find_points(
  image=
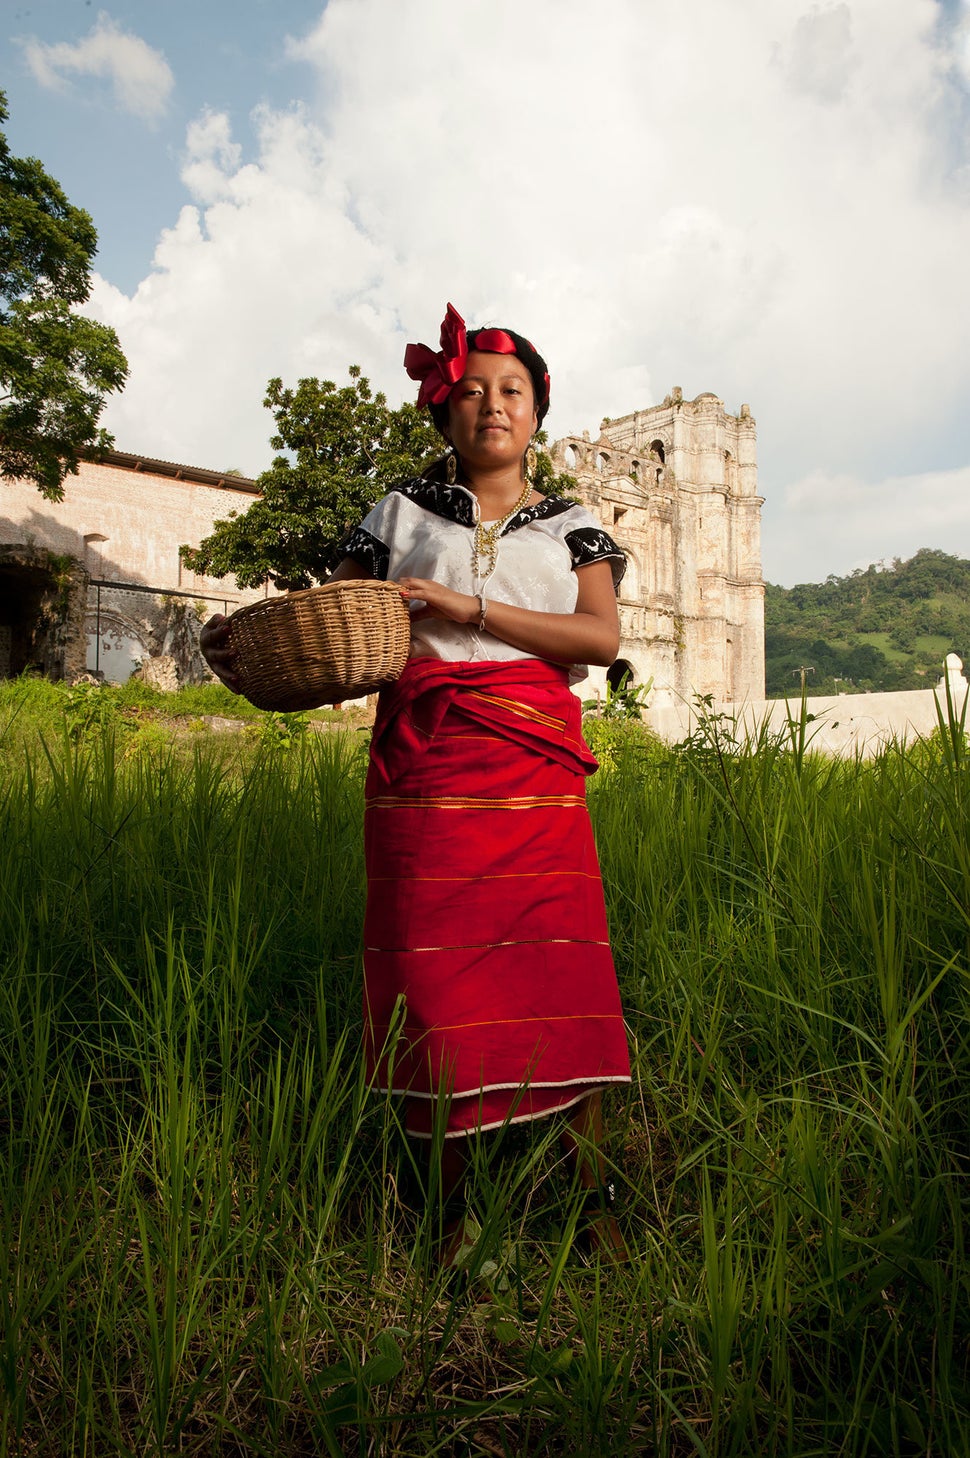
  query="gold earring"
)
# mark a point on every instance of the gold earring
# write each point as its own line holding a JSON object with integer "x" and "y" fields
{"x": 531, "y": 464}
{"x": 451, "y": 466}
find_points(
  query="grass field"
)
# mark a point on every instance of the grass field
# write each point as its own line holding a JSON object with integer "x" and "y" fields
{"x": 212, "y": 1232}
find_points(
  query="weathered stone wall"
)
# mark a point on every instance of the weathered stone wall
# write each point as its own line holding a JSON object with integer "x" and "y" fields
{"x": 125, "y": 523}
{"x": 125, "y": 628}
{"x": 122, "y": 522}
{"x": 676, "y": 485}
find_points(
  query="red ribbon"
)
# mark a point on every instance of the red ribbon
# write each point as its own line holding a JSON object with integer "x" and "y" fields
{"x": 496, "y": 341}
{"x": 439, "y": 372}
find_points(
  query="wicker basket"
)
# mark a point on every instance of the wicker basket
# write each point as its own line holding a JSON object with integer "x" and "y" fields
{"x": 339, "y": 641}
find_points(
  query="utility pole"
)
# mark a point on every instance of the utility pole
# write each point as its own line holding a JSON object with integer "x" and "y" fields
{"x": 803, "y": 670}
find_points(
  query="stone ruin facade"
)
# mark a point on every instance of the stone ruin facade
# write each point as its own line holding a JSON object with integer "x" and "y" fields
{"x": 677, "y": 486}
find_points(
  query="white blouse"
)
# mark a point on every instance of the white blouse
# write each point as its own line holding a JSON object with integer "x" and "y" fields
{"x": 426, "y": 529}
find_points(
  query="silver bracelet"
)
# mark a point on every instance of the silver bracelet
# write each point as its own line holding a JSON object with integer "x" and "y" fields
{"x": 482, "y": 610}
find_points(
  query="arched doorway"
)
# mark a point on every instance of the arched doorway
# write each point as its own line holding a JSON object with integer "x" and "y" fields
{"x": 620, "y": 675}
{"x": 42, "y": 600}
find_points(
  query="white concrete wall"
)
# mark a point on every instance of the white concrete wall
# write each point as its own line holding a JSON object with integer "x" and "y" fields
{"x": 846, "y": 724}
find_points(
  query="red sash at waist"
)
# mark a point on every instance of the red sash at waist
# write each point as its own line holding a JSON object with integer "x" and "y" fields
{"x": 526, "y": 700}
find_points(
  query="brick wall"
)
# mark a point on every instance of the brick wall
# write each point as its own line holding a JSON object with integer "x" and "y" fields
{"x": 123, "y": 521}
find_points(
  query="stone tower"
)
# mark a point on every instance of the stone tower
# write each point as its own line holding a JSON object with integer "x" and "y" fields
{"x": 677, "y": 486}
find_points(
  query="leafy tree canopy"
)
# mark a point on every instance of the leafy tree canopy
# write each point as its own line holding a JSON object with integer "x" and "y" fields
{"x": 881, "y": 627}
{"x": 345, "y": 448}
{"x": 56, "y": 367}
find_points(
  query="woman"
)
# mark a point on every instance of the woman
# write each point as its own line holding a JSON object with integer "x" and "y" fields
{"x": 485, "y": 936}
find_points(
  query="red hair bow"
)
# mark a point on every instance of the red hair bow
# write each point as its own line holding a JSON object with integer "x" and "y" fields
{"x": 439, "y": 372}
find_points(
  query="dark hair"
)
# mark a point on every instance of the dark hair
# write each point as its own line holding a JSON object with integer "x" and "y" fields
{"x": 528, "y": 356}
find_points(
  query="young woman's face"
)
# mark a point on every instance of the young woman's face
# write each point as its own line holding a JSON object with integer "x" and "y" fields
{"x": 491, "y": 410}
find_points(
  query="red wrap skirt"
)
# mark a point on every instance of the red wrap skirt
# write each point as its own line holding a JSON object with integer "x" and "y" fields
{"x": 488, "y": 978}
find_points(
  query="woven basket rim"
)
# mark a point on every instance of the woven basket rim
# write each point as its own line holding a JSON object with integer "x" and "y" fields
{"x": 378, "y": 584}
{"x": 315, "y": 645}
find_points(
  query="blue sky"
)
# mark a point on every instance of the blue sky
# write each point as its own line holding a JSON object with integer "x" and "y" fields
{"x": 770, "y": 200}
{"x": 125, "y": 170}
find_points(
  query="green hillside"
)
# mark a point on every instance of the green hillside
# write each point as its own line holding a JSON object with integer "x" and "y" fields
{"x": 881, "y": 628}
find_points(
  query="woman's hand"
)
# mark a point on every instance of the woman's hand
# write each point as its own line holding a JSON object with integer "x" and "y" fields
{"x": 214, "y": 641}
{"x": 590, "y": 634}
{"x": 439, "y": 601}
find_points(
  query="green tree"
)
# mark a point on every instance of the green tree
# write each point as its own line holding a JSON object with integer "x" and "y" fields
{"x": 911, "y": 604}
{"x": 345, "y": 448}
{"x": 56, "y": 367}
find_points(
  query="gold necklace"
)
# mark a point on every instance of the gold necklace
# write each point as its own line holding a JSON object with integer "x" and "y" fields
{"x": 485, "y": 540}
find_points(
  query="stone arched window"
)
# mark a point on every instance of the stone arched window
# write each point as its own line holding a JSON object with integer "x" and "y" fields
{"x": 657, "y": 446}
{"x": 571, "y": 457}
{"x": 602, "y": 461}
{"x": 621, "y": 675}
{"x": 115, "y": 647}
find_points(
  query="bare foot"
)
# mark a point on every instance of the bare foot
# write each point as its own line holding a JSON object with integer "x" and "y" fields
{"x": 458, "y": 1240}
{"x": 603, "y": 1237}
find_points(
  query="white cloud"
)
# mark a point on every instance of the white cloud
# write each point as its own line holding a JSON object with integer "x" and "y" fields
{"x": 212, "y": 158}
{"x": 264, "y": 275}
{"x": 140, "y": 75}
{"x": 754, "y": 200}
{"x": 962, "y": 41}
{"x": 837, "y": 522}
{"x": 821, "y": 60}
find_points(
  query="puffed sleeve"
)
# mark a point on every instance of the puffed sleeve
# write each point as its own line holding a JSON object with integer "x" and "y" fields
{"x": 588, "y": 542}
{"x": 369, "y": 543}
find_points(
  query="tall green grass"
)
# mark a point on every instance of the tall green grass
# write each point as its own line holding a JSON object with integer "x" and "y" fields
{"x": 214, "y": 1237}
